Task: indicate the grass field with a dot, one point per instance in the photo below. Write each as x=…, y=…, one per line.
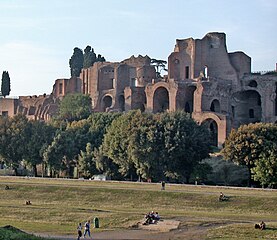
x=58, y=205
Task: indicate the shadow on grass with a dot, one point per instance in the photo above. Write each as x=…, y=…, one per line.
x=271, y=228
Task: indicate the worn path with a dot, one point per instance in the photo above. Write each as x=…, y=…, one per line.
x=165, y=230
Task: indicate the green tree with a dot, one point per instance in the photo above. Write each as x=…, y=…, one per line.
x=87, y=162
x=144, y=146
x=159, y=65
x=117, y=141
x=249, y=143
x=185, y=144
x=76, y=62
x=89, y=57
x=156, y=146
x=39, y=134
x=265, y=170
x=105, y=165
x=53, y=156
x=91, y=157
x=13, y=132
x=6, y=84
x=75, y=107
x=100, y=58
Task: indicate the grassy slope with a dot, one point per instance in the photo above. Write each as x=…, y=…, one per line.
x=9, y=232
x=58, y=205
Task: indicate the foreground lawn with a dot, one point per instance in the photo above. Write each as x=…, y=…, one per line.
x=10, y=232
x=58, y=205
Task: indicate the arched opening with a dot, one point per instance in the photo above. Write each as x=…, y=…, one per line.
x=213, y=129
x=215, y=106
x=187, y=107
x=161, y=100
x=248, y=107
x=107, y=103
x=253, y=83
x=121, y=101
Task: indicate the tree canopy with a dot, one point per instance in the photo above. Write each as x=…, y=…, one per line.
x=81, y=60
x=159, y=65
x=39, y=135
x=75, y=107
x=13, y=132
x=76, y=62
x=254, y=145
x=89, y=57
x=162, y=146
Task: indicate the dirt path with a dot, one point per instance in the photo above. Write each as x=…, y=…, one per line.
x=167, y=230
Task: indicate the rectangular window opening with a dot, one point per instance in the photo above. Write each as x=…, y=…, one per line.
x=60, y=88
x=187, y=72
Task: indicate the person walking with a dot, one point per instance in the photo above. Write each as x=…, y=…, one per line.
x=79, y=231
x=163, y=185
x=87, y=228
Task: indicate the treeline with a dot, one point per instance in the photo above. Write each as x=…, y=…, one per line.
x=134, y=145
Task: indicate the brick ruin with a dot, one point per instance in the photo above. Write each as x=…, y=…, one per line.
x=216, y=87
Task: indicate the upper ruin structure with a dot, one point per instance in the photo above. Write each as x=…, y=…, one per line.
x=214, y=86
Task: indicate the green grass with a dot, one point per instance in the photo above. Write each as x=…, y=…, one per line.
x=58, y=205
x=9, y=232
x=243, y=231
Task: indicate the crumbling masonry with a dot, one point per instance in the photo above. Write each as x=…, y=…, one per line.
x=215, y=86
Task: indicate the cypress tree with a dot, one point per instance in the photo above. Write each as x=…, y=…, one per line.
x=6, y=84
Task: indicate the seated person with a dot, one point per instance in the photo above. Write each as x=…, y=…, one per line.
x=156, y=216
x=222, y=197
x=262, y=225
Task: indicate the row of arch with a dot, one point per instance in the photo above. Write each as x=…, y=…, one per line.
x=246, y=107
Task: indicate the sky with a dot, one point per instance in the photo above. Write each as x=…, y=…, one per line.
x=38, y=37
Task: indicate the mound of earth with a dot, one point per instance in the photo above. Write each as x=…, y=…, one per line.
x=163, y=225
x=12, y=228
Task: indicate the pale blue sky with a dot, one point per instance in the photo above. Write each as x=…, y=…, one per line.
x=38, y=36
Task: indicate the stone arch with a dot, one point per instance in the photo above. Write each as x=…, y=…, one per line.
x=106, y=103
x=213, y=129
x=215, y=106
x=219, y=125
x=160, y=100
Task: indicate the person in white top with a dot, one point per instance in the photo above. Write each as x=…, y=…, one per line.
x=79, y=231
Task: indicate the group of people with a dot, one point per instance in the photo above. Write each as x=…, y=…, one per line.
x=86, y=230
x=260, y=226
x=151, y=217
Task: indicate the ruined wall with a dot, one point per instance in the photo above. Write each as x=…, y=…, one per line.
x=215, y=86
x=214, y=55
x=65, y=86
x=8, y=106
x=241, y=62
x=181, y=61
x=145, y=74
x=122, y=77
